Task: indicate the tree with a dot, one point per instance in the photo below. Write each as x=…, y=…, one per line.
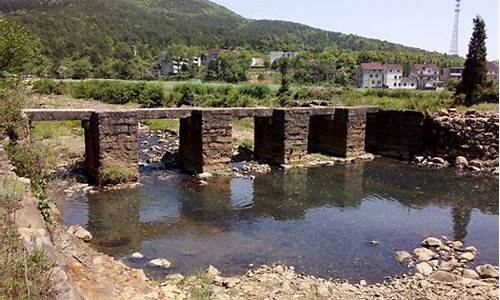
x=82, y=68
x=474, y=75
x=283, y=65
x=18, y=48
x=234, y=66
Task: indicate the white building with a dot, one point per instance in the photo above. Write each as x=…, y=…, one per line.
x=393, y=74
x=408, y=83
x=370, y=75
x=427, y=76
x=275, y=55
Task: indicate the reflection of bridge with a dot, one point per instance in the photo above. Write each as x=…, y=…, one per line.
x=208, y=210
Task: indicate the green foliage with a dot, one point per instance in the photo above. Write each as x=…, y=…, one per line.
x=283, y=65
x=12, y=99
x=114, y=92
x=18, y=48
x=31, y=161
x=49, y=87
x=152, y=95
x=474, y=86
x=114, y=174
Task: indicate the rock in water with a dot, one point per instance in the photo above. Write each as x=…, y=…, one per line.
x=212, y=271
x=402, y=256
x=160, y=262
x=137, y=255
x=461, y=162
x=424, y=269
x=432, y=242
x=424, y=254
x=80, y=233
x=487, y=271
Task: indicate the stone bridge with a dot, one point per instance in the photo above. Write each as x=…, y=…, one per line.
x=281, y=135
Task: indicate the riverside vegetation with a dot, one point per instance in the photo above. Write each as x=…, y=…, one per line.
x=167, y=94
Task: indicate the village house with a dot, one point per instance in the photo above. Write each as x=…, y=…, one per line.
x=174, y=65
x=370, y=75
x=492, y=69
x=408, y=83
x=275, y=55
x=258, y=62
x=452, y=73
x=427, y=75
x=393, y=74
x=212, y=55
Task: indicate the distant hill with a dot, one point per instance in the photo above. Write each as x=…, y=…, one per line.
x=88, y=27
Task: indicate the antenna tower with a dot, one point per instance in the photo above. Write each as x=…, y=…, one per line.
x=454, y=39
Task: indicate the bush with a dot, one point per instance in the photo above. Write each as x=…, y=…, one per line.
x=12, y=98
x=116, y=174
x=49, y=87
x=151, y=96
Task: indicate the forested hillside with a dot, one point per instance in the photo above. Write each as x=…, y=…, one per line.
x=89, y=27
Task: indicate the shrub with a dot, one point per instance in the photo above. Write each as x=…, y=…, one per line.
x=151, y=96
x=116, y=174
x=258, y=91
x=49, y=87
x=12, y=98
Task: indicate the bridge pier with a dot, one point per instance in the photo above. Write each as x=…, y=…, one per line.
x=282, y=138
x=206, y=141
x=341, y=134
x=111, y=145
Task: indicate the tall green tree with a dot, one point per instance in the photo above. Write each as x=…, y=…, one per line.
x=18, y=48
x=475, y=75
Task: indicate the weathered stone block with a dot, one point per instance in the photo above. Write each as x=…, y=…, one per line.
x=342, y=133
x=206, y=141
x=282, y=138
x=110, y=143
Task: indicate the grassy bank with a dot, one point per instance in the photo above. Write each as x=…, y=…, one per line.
x=24, y=275
x=173, y=94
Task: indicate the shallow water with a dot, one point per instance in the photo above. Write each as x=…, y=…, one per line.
x=320, y=220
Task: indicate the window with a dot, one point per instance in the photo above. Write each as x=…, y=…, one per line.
x=373, y=82
x=390, y=71
x=399, y=84
x=404, y=84
x=394, y=84
x=412, y=84
x=395, y=77
x=379, y=82
x=376, y=76
x=371, y=75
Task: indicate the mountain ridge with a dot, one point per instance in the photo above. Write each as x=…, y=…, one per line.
x=85, y=27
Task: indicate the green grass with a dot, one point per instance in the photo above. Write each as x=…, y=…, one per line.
x=117, y=174
x=163, y=125
x=43, y=130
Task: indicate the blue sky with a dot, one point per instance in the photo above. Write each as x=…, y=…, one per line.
x=425, y=24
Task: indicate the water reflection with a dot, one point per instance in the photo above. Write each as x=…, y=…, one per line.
x=318, y=219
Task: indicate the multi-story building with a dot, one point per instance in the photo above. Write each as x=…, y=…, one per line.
x=275, y=55
x=492, y=69
x=408, y=83
x=370, y=75
x=427, y=75
x=393, y=74
x=452, y=73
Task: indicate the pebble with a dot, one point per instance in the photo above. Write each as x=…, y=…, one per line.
x=487, y=271
x=160, y=263
x=137, y=255
x=432, y=242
